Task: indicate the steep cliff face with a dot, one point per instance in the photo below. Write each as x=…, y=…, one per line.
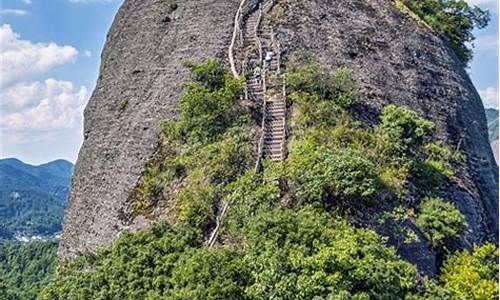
x=140, y=79
x=394, y=61
x=397, y=61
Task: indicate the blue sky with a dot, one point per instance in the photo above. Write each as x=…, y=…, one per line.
x=49, y=62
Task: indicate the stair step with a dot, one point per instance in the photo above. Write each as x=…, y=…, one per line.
x=273, y=151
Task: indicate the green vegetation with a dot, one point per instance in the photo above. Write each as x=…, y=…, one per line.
x=440, y=220
x=455, y=19
x=123, y=104
x=32, y=198
x=292, y=231
x=288, y=255
x=26, y=269
x=473, y=275
x=206, y=149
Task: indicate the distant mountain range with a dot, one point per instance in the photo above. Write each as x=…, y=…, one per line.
x=32, y=198
x=492, y=119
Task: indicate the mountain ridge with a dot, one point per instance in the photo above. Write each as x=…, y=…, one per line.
x=33, y=197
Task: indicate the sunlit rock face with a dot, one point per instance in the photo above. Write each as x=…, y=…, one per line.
x=394, y=60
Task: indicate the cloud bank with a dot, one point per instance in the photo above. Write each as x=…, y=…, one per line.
x=22, y=58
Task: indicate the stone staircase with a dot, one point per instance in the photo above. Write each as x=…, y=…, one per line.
x=256, y=40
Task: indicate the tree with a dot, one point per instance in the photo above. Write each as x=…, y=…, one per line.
x=455, y=19
x=440, y=221
x=473, y=275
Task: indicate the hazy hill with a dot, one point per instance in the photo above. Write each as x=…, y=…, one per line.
x=492, y=119
x=32, y=198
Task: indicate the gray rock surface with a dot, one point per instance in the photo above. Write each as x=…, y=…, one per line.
x=141, y=66
x=393, y=59
x=397, y=61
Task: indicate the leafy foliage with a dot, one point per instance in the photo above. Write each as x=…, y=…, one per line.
x=137, y=266
x=280, y=237
x=26, y=268
x=404, y=131
x=288, y=255
x=473, y=275
x=455, y=19
x=440, y=220
x=208, y=106
x=206, y=149
x=342, y=176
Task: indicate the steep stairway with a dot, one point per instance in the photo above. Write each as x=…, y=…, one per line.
x=256, y=41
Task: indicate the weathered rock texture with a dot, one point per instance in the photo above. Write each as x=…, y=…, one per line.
x=397, y=61
x=393, y=59
x=142, y=67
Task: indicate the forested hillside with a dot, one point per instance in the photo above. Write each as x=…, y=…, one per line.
x=32, y=198
x=492, y=118
x=25, y=269
x=284, y=150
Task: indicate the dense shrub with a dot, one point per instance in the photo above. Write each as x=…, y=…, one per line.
x=320, y=94
x=455, y=19
x=207, y=148
x=305, y=254
x=208, y=106
x=404, y=131
x=248, y=196
x=473, y=275
x=313, y=78
x=195, y=205
x=320, y=174
x=440, y=221
x=137, y=266
x=25, y=269
x=310, y=255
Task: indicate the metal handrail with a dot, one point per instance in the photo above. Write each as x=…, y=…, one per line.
x=285, y=125
x=237, y=29
x=263, y=122
x=257, y=39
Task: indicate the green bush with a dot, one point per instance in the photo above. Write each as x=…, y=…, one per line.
x=342, y=176
x=305, y=254
x=405, y=132
x=318, y=80
x=210, y=140
x=455, y=19
x=440, y=221
x=205, y=274
x=195, y=205
x=208, y=106
x=136, y=266
x=248, y=195
x=308, y=254
x=473, y=275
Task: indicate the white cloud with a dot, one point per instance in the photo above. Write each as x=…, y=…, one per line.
x=490, y=97
x=26, y=1
x=46, y=106
x=11, y=11
x=87, y=53
x=486, y=43
x=21, y=58
x=485, y=4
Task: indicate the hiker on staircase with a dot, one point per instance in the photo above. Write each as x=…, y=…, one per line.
x=257, y=74
x=269, y=58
